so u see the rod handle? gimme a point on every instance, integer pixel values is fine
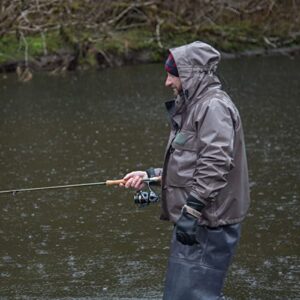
(118, 181)
(114, 182)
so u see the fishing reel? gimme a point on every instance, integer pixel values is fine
(144, 198)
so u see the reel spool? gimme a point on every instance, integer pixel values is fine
(144, 198)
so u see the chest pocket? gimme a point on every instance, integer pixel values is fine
(185, 140)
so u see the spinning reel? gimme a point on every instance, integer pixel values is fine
(144, 198)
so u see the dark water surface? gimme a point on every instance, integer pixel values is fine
(93, 242)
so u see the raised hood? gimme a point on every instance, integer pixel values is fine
(196, 64)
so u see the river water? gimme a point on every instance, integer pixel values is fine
(93, 242)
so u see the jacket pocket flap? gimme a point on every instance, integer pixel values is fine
(185, 140)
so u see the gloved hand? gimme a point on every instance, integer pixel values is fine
(186, 226)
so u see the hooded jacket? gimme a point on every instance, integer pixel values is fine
(205, 155)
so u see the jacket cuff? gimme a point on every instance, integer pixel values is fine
(152, 172)
(195, 203)
(206, 202)
(158, 171)
(191, 211)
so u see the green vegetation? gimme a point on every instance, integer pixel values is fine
(70, 33)
(12, 48)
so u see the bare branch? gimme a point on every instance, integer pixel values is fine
(159, 22)
(26, 48)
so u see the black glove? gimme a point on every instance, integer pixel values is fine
(186, 226)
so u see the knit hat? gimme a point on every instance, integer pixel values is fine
(170, 65)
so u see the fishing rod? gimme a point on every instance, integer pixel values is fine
(107, 183)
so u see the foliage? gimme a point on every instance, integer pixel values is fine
(95, 30)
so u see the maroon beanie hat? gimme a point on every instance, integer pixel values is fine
(170, 65)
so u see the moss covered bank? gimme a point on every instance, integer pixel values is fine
(63, 35)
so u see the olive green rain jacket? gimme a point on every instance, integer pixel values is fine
(205, 154)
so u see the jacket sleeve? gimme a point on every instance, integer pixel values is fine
(158, 171)
(154, 172)
(215, 131)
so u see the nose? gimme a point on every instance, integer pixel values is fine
(168, 81)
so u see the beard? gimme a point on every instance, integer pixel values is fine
(175, 92)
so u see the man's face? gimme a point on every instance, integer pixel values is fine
(174, 83)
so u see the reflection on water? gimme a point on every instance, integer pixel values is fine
(92, 242)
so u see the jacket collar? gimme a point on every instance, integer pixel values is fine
(175, 118)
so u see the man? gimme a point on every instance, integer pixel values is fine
(204, 178)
